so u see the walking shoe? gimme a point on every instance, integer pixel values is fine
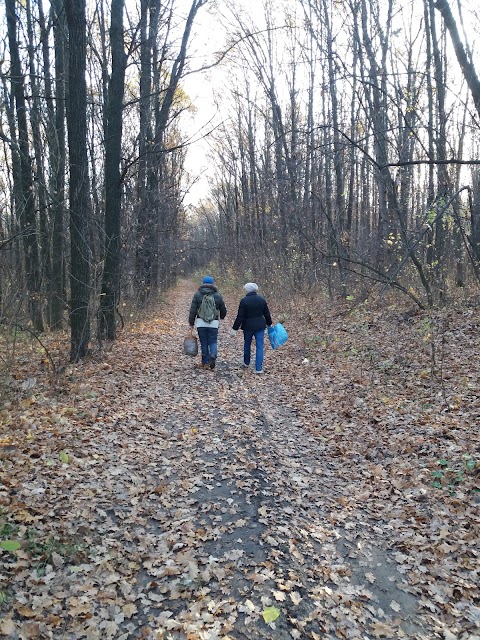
(213, 360)
(261, 371)
(245, 366)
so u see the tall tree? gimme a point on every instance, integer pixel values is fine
(113, 187)
(57, 168)
(38, 145)
(80, 279)
(466, 65)
(25, 179)
(443, 180)
(145, 232)
(473, 82)
(157, 103)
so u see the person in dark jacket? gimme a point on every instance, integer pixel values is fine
(207, 331)
(253, 317)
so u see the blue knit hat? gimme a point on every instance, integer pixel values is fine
(208, 280)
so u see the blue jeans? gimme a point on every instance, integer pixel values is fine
(247, 347)
(208, 337)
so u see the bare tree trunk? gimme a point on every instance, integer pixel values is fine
(459, 227)
(352, 156)
(58, 163)
(307, 200)
(80, 278)
(338, 220)
(27, 214)
(13, 174)
(258, 222)
(145, 233)
(113, 187)
(377, 101)
(151, 218)
(39, 149)
(54, 318)
(475, 213)
(431, 127)
(178, 66)
(443, 187)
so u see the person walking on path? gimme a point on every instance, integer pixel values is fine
(206, 308)
(253, 317)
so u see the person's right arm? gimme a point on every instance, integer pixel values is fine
(193, 311)
(240, 316)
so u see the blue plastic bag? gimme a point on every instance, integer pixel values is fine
(277, 335)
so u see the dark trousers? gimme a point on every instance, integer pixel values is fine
(208, 337)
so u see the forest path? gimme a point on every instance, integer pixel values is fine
(195, 503)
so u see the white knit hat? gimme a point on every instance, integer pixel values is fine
(250, 286)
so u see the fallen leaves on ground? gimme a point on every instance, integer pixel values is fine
(334, 497)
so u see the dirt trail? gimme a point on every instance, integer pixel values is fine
(199, 501)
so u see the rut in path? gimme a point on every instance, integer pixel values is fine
(202, 502)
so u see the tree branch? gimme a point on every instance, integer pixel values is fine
(467, 67)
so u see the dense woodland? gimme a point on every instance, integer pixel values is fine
(346, 158)
(336, 496)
